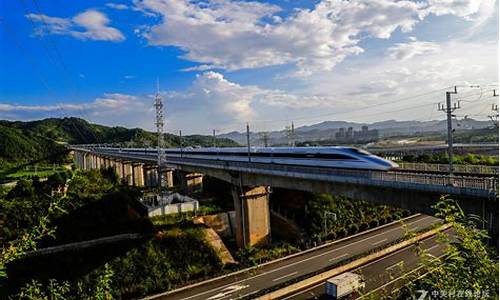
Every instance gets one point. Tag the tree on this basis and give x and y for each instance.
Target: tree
(23, 188)
(468, 265)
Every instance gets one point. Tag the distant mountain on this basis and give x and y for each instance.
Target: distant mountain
(45, 139)
(326, 130)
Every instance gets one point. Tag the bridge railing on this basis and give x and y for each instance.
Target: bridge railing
(475, 169)
(482, 183)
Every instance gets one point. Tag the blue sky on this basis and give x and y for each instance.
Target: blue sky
(223, 63)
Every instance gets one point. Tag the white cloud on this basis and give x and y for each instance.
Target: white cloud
(352, 93)
(365, 84)
(235, 35)
(88, 25)
(114, 101)
(405, 51)
(473, 10)
(117, 6)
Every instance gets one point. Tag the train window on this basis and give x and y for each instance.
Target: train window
(359, 151)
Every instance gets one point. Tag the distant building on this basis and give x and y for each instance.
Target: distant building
(350, 135)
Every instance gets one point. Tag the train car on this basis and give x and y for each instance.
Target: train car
(331, 157)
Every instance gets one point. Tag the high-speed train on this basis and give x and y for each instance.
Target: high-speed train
(332, 157)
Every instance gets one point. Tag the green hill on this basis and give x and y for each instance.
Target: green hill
(43, 140)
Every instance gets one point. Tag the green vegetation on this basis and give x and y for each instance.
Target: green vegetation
(483, 135)
(353, 216)
(252, 256)
(43, 140)
(41, 171)
(468, 159)
(176, 254)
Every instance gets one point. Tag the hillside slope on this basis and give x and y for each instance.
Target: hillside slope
(45, 139)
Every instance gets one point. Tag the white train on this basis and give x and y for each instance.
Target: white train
(332, 157)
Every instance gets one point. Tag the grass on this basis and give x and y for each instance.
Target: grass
(41, 172)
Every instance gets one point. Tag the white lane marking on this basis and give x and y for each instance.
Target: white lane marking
(429, 249)
(337, 257)
(414, 228)
(394, 280)
(398, 264)
(379, 242)
(284, 276)
(358, 268)
(228, 291)
(301, 261)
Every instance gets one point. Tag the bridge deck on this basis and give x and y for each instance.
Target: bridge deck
(454, 185)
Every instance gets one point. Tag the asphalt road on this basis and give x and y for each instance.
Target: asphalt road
(382, 275)
(248, 283)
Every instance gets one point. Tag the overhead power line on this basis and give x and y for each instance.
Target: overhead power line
(348, 111)
(56, 49)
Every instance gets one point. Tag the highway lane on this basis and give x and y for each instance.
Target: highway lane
(382, 275)
(248, 283)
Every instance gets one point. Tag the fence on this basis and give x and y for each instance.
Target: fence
(473, 169)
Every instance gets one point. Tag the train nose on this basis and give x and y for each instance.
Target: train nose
(393, 164)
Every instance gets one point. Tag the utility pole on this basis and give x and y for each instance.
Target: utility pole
(494, 109)
(215, 140)
(325, 223)
(180, 141)
(248, 143)
(290, 134)
(158, 104)
(265, 138)
(449, 110)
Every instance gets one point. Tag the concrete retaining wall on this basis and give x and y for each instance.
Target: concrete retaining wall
(223, 223)
(174, 208)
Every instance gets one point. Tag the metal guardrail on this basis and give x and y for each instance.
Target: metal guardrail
(474, 169)
(469, 182)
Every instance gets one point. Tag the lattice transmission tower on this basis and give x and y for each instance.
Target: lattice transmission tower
(158, 104)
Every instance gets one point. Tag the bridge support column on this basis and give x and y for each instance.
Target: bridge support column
(77, 158)
(190, 182)
(253, 225)
(94, 161)
(128, 173)
(168, 179)
(138, 174)
(86, 161)
(112, 164)
(150, 176)
(98, 162)
(120, 169)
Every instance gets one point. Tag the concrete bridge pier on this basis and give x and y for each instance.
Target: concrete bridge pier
(168, 179)
(253, 220)
(128, 172)
(99, 162)
(77, 158)
(150, 176)
(88, 162)
(114, 165)
(120, 169)
(94, 161)
(138, 174)
(107, 162)
(190, 182)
